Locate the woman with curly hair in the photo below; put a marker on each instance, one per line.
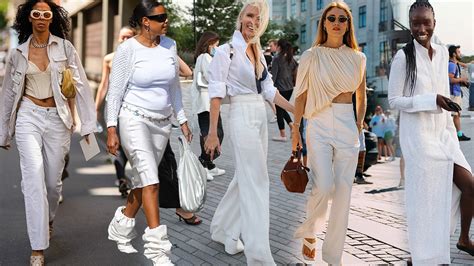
(32, 105)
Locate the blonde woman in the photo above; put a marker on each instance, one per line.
(330, 72)
(239, 71)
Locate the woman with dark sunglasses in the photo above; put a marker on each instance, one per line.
(144, 91)
(419, 88)
(330, 72)
(33, 108)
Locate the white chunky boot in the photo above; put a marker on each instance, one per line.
(157, 246)
(122, 230)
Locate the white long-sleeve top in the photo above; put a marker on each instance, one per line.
(236, 76)
(430, 148)
(145, 77)
(200, 95)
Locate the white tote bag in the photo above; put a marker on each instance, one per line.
(192, 179)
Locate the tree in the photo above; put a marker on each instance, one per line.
(286, 31)
(216, 15)
(180, 28)
(3, 12)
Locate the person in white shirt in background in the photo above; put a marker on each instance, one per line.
(419, 88)
(205, 50)
(144, 91)
(389, 132)
(240, 72)
(377, 126)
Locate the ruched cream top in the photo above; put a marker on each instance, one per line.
(327, 72)
(37, 82)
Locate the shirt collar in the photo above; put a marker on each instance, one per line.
(238, 40)
(422, 50)
(24, 47)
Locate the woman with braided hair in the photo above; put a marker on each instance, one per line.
(419, 88)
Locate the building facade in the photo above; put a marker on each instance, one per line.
(379, 35)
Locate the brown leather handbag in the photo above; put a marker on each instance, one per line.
(294, 176)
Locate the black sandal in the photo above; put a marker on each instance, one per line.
(191, 221)
(470, 251)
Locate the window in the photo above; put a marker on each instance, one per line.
(303, 5)
(383, 10)
(303, 34)
(363, 48)
(293, 7)
(362, 16)
(319, 4)
(384, 51)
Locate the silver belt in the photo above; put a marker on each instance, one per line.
(136, 112)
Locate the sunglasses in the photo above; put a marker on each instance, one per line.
(38, 14)
(159, 18)
(341, 19)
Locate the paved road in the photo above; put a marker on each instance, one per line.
(377, 227)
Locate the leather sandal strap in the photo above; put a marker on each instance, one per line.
(309, 245)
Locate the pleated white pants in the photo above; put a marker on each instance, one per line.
(244, 209)
(333, 148)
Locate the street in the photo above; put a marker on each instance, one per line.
(376, 235)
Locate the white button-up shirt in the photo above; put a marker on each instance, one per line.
(236, 76)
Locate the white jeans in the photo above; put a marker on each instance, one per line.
(143, 135)
(43, 141)
(333, 148)
(244, 209)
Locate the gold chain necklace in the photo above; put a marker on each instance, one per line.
(36, 45)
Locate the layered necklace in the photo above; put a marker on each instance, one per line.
(37, 45)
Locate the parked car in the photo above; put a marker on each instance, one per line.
(371, 151)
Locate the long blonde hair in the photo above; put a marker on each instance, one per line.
(349, 38)
(255, 45)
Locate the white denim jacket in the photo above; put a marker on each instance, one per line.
(13, 87)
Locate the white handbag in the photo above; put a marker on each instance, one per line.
(200, 81)
(192, 179)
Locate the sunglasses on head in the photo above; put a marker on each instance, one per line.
(341, 19)
(38, 14)
(159, 18)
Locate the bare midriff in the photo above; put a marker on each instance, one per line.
(345, 97)
(48, 102)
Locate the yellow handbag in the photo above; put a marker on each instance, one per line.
(68, 84)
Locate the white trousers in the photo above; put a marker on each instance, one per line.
(143, 135)
(244, 209)
(333, 148)
(43, 141)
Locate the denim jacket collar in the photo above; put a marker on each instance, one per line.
(24, 48)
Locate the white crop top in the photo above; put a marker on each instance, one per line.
(37, 82)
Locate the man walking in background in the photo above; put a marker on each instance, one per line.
(455, 81)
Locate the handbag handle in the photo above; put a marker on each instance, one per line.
(296, 155)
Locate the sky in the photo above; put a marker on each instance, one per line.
(454, 20)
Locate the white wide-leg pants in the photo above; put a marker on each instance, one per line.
(244, 209)
(333, 148)
(43, 141)
(143, 134)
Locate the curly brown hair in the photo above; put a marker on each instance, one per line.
(60, 25)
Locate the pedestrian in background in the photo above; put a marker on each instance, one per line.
(238, 70)
(120, 160)
(272, 47)
(144, 90)
(205, 50)
(433, 158)
(332, 137)
(377, 126)
(33, 108)
(455, 81)
(283, 71)
(390, 126)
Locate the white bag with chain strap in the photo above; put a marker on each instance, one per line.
(192, 179)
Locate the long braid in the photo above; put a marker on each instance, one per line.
(410, 53)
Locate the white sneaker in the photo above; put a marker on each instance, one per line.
(280, 138)
(273, 120)
(209, 175)
(61, 198)
(216, 171)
